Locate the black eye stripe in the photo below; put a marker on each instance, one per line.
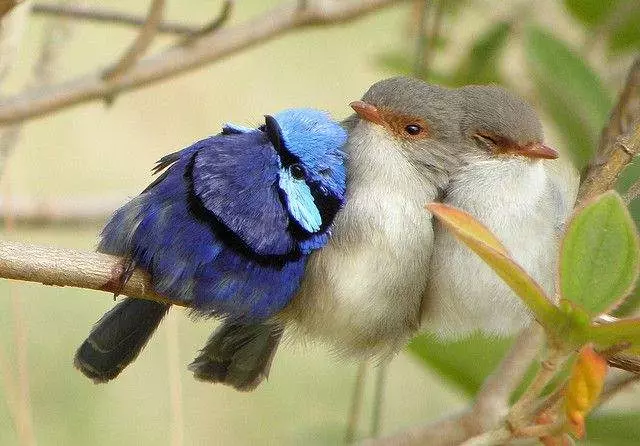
(297, 171)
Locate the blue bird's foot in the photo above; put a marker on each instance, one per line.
(128, 266)
(238, 355)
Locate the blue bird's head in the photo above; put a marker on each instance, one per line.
(312, 172)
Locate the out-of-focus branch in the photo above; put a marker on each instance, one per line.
(617, 381)
(216, 23)
(59, 211)
(7, 5)
(632, 193)
(619, 143)
(55, 35)
(98, 14)
(182, 58)
(68, 267)
(140, 44)
(12, 28)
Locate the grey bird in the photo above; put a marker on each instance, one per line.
(362, 292)
(509, 183)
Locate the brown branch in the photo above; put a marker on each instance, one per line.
(140, 44)
(616, 383)
(59, 211)
(179, 59)
(101, 15)
(216, 23)
(69, 267)
(619, 143)
(632, 193)
(7, 5)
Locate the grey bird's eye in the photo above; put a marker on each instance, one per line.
(413, 129)
(297, 171)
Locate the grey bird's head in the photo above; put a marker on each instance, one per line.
(497, 123)
(419, 120)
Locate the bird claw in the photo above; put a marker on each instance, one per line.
(123, 276)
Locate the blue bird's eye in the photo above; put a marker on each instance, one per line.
(297, 171)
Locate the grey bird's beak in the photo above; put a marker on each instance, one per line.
(367, 112)
(536, 150)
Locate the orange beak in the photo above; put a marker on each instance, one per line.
(367, 111)
(536, 150)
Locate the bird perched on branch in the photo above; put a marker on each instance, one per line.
(227, 228)
(507, 184)
(361, 293)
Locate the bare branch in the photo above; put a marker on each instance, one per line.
(59, 211)
(617, 381)
(632, 193)
(140, 44)
(183, 58)
(7, 5)
(216, 23)
(68, 267)
(619, 143)
(111, 17)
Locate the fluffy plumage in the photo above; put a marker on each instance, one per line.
(219, 231)
(520, 199)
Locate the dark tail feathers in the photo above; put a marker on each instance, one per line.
(238, 355)
(118, 337)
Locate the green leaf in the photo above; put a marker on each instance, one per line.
(590, 12)
(613, 429)
(600, 257)
(464, 364)
(480, 64)
(572, 94)
(481, 241)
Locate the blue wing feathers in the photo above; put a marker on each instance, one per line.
(215, 230)
(197, 258)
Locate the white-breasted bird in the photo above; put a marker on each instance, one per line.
(508, 182)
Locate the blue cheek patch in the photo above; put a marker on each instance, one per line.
(300, 202)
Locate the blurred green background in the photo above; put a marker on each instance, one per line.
(94, 151)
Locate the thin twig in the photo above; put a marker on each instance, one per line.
(32, 211)
(225, 13)
(619, 142)
(378, 400)
(618, 382)
(24, 421)
(68, 267)
(521, 412)
(141, 43)
(601, 178)
(632, 193)
(7, 5)
(356, 403)
(182, 58)
(175, 385)
(492, 401)
(101, 15)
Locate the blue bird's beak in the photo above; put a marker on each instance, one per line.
(274, 132)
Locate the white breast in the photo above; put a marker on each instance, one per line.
(514, 199)
(362, 292)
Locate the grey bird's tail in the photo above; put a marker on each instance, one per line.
(118, 338)
(238, 355)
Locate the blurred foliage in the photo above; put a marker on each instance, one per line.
(572, 93)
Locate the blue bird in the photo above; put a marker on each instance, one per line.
(226, 228)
